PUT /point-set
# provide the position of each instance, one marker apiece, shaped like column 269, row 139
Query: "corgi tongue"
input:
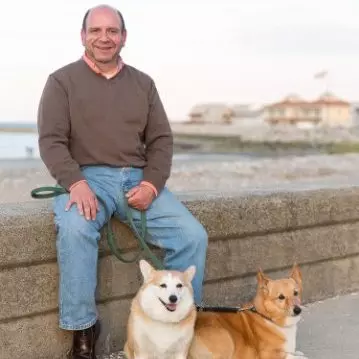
column 171, row 307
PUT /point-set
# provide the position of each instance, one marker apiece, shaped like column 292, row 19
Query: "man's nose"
column 104, row 39
column 103, row 36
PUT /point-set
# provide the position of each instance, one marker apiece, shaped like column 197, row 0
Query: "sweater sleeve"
column 158, row 142
column 54, row 130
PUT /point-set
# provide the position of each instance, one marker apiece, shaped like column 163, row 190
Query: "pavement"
column 329, row 329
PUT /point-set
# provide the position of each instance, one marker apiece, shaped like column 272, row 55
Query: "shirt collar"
column 97, row 70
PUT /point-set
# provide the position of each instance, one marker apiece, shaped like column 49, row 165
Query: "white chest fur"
column 289, row 332
column 162, row 340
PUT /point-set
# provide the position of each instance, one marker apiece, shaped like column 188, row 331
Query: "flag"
column 321, row 75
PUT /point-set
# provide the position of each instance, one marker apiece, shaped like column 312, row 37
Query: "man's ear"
column 83, row 37
column 124, row 38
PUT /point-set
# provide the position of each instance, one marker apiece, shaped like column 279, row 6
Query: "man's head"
column 103, row 33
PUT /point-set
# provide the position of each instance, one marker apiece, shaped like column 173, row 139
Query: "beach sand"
column 19, row 177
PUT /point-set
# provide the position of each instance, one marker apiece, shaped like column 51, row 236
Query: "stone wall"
column 259, row 132
column 317, row 228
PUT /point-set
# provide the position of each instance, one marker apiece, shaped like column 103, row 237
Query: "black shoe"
column 84, row 341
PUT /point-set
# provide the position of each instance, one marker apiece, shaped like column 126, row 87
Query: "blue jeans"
column 170, row 226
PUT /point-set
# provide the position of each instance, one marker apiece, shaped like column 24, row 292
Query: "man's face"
column 103, row 37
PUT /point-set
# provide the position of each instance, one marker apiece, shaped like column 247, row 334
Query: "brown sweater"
column 86, row 119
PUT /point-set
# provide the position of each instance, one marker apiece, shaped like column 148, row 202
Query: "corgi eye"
column 163, row 285
column 295, row 293
column 179, row 285
column 281, row 297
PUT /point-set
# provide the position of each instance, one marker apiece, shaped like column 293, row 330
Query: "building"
column 217, row 113
column 246, row 111
column 355, row 113
column 327, row 111
column 247, row 115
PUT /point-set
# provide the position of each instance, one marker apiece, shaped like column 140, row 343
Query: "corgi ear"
column 296, row 274
column 146, row 270
column 262, row 279
column 190, row 272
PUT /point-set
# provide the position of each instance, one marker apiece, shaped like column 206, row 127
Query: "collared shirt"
column 96, row 69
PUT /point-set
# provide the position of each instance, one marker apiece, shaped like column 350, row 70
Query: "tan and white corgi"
column 162, row 316
column 266, row 329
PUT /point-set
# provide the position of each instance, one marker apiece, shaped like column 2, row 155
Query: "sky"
column 231, row 51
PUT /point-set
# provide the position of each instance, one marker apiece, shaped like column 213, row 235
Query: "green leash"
column 50, row 192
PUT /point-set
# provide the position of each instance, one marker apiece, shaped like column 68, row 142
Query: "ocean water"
column 18, row 145
column 25, row 146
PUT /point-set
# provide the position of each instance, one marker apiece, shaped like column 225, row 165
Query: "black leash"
column 225, row 309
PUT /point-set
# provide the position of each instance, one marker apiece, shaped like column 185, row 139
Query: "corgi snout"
column 173, row 298
column 297, row 310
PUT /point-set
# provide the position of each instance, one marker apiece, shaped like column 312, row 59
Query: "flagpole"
column 323, row 75
column 326, row 79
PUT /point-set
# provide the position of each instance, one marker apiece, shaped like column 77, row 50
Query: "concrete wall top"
column 27, row 229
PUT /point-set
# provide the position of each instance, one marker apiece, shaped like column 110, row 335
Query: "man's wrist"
column 150, row 185
column 76, row 184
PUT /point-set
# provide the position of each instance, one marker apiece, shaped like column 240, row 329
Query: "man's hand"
column 140, row 197
column 85, row 199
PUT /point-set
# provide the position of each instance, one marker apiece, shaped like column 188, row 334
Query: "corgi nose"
column 173, row 298
column 297, row 310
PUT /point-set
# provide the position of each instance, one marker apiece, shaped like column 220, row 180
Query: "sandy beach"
column 19, row 177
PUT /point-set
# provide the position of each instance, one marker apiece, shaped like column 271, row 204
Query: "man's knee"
column 73, row 224
column 77, row 238
column 201, row 235
column 196, row 233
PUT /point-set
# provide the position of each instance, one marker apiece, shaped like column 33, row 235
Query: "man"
column 103, row 131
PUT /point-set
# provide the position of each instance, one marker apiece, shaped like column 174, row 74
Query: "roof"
column 326, row 98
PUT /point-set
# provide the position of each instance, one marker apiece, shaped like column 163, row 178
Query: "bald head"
column 104, row 10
